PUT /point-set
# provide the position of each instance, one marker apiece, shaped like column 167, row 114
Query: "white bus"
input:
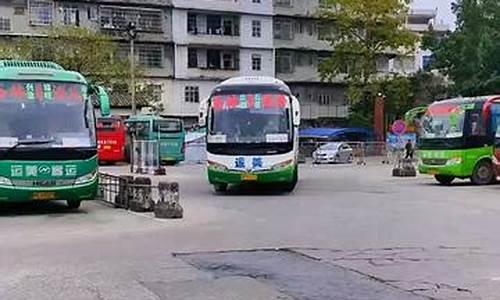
column 252, row 133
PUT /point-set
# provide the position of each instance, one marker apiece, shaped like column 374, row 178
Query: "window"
column 19, row 11
column 222, row 60
column 283, row 2
column 256, row 62
column 70, row 16
column 192, row 94
column 191, row 24
column 284, row 62
column 213, row 59
column 192, row 58
column 383, row 64
column 41, row 12
column 150, row 55
column 118, row 18
column 283, row 29
column 256, row 28
column 214, row 24
column 255, row 1
column 92, row 13
column 4, row 24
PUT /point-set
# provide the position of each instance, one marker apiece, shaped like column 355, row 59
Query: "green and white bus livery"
column 460, row 139
column 48, row 148
column 252, row 133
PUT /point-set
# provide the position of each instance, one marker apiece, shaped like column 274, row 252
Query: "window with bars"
column 284, row 62
column 150, row 55
column 70, row 16
column 118, row 18
column 283, row 29
column 283, row 2
column 41, row 12
column 192, row 94
column 256, row 28
column 256, row 62
column 147, row 55
column 5, row 24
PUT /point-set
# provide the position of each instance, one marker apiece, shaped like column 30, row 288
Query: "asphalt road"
column 348, row 232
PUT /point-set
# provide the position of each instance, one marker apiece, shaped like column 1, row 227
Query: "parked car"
column 333, row 153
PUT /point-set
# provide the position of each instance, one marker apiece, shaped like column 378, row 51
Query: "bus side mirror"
column 295, row 111
column 104, row 101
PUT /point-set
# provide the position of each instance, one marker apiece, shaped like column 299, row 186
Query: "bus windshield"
column 167, row 126
column 443, row 121
column 250, row 118
column 41, row 110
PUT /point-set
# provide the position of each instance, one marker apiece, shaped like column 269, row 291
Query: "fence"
column 361, row 151
column 122, row 191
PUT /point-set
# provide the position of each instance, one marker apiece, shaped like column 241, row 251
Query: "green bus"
column 48, row 148
column 169, row 132
column 459, row 139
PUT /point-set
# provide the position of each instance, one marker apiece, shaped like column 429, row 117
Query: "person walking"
column 409, row 150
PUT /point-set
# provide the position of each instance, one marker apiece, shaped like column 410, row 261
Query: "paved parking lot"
column 403, row 238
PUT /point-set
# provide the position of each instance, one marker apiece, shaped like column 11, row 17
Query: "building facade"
column 216, row 40
column 186, row 47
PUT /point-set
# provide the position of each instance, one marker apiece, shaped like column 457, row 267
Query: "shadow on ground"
column 37, row 208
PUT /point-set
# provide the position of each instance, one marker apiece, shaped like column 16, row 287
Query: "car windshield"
column 52, row 111
column 330, row 146
column 250, row 118
column 443, row 121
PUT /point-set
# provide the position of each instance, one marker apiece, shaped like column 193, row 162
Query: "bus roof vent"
column 29, row 64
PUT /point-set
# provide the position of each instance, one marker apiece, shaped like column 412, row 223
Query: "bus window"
column 167, row 126
column 108, row 124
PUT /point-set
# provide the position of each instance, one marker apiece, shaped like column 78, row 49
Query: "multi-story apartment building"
column 154, row 46
column 186, row 47
column 216, row 40
column 300, row 48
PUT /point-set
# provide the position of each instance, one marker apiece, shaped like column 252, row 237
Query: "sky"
column 444, row 9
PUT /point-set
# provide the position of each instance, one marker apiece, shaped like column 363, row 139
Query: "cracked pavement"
column 407, row 238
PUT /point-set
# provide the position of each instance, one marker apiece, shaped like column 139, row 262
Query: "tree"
column 470, row 56
column 93, row 54
column 90, row 53
column 362, row 32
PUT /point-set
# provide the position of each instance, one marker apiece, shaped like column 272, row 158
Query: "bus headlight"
column 454, row 161
column 282, row 165
column 216, row 166
column 86, row 178
column 5, row 181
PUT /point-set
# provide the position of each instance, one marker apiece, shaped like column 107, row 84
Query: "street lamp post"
column 132, row 35
column 378, row 117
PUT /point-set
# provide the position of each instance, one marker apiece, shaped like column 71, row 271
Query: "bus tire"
column 483, row 173
column 220, row 188
column 444, row 180
column 73, row 204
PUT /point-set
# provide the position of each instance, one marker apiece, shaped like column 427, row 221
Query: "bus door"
column 111, row 139
column 495, row 126
column 171, row 136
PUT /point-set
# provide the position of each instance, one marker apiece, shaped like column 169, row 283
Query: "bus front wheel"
column 73, row 204
column 220, row 187
column 444, row 180
column 483, row 173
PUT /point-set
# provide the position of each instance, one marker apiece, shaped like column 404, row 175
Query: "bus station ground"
column 347, row 232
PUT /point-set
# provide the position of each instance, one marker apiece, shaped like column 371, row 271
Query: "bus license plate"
column 432, row 172
column 249, row 177
column 107, row 147
column 44, row 196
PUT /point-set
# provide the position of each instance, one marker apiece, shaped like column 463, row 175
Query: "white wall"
column 178, row 106
column 266, row 39
column 267, row 65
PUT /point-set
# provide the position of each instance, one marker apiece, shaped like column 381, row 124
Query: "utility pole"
column 378, row 117
column 132, row 35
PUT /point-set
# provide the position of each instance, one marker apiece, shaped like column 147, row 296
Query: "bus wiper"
column 32, row 142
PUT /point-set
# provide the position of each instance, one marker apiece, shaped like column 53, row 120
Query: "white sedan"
column 333, row 153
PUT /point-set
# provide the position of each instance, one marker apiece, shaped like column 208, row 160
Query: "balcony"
column 212, row 63
column 213, row 29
